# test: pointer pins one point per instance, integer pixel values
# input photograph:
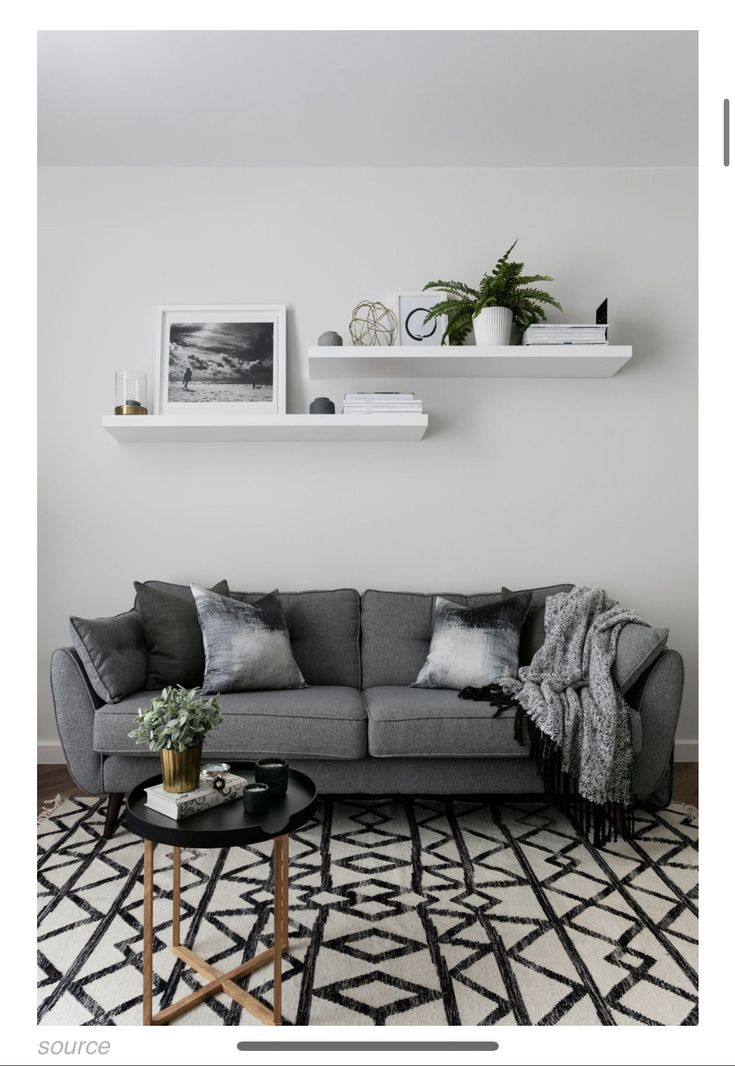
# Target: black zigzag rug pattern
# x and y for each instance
(404, 912)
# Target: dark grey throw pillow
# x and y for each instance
(246, 645)
(172, 634)
(113, 653)
(474, 645)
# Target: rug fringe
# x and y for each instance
(50, 807)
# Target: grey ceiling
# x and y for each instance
(368, 98)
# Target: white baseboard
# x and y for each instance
(49, 751)
(686, 751)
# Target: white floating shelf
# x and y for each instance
(514, 361)
(134, 429)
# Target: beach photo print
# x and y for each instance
(221, 360)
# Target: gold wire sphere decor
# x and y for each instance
(373, 324)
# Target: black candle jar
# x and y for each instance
(274, 773)
(255, 797)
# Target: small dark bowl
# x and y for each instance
(255, 797)
(322, 405)
(274, 773)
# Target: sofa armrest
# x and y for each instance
(638, 648)
(657, 697)
(75, 702)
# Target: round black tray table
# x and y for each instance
(225, 826)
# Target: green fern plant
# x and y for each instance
(505, 286)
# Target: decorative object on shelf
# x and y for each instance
(506, 288)
(493, 325)
(221, 360)
(131, 392)
(175, 724)
(322, 405)
(274, 773)
(330, 339)
(411, 311)
(256, 797)
(177, 805)
(373, 324)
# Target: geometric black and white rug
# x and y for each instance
(402, 912)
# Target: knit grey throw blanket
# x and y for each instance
(578, 720)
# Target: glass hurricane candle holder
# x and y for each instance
(131, 392)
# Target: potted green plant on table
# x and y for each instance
(503, 296)
(175, 724)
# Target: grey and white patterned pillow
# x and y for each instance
(474, 645)
(246, 645)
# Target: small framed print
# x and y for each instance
(216, 360)
(411, 310)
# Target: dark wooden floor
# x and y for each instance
(54, 779)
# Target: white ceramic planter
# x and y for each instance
(493, 325)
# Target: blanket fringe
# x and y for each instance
(597, 822)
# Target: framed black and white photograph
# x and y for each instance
(411, 310)
(221, 360)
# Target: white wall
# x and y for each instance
(518, 482)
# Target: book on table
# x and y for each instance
(178, 805)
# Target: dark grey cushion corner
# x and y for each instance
(113, 653)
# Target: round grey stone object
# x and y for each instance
(330, 339)
(322, 405)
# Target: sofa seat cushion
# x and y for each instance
(435, 724)
(322, 722)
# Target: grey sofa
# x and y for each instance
(359, 727)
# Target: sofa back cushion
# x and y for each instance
(396, 630)
(324, 627)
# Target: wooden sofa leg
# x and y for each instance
(114, 801)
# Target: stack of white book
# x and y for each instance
(180, 805)
(370, 403)
(563, 333)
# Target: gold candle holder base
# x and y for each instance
(131, 409)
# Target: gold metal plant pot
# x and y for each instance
(180, 769)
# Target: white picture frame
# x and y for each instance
(235, 355)
(408, 307)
